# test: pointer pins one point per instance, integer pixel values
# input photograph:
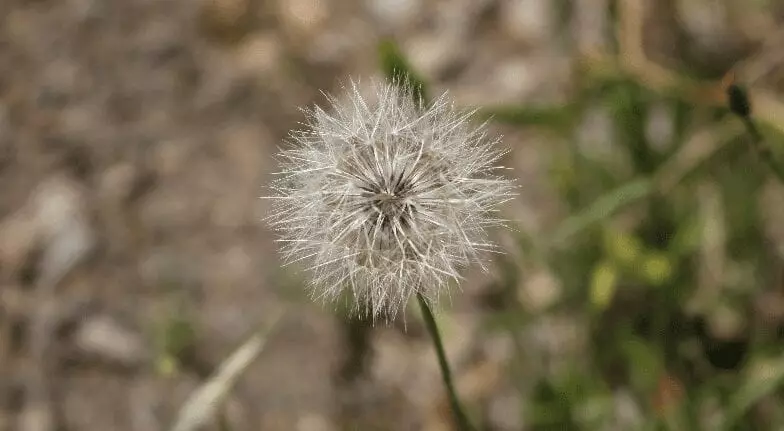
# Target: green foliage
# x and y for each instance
(645, 257)
(396, 67)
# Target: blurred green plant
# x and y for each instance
(633, 256)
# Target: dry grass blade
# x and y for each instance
(203, 403)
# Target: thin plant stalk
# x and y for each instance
(461, 420)
(739, 103)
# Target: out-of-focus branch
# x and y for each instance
(632, 60)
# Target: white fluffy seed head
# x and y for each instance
(384, 197)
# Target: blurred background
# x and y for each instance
(642, 285)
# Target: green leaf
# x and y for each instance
(622, 248)
(656, 268)
(397, 68)
(688, 237)
(558, 118)
(645, 364)
(602, 208)
(604, 281)
(762, 378)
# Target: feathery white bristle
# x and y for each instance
(386, 198)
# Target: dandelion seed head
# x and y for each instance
(384, 197)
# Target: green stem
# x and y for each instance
(461, 420)
(764, 152)
(739, 103)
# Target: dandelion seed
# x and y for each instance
(385, 197)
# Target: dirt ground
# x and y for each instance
(135, 138)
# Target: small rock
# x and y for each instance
(505, 412)
(170, 157)
(19, 235)
(104, 338)
(590, 24)
(529, 21)
(303, 17)
(144, 403)
(314, 422)
(86, 10)
(334, 46)
(226, 20)
(628, 414)
(260, 54)
(559, 338)
(539, 78)
(394, 13)
(595, 134)
(117, 182)
(433, 54)
(706, 20)
(68, 237)
(392, 358)
(539, 291)
(519, 77)
(660, 127)
(54, 220)
(726, 323)
(36, 417)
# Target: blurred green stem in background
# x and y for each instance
(740, 105)
(461, 420)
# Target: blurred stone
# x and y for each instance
(36, 417)
(518, 76)
(595, 134)
(105, 339)
(559, 338)
(438, 52)
(241, 145)
(394, 13)
(117, 182)
(538, 78)
(505, 412)
(539, 290)
(304, 17)
(591, 26)
(96, 400)
(706, 20)
(433, 55)
(170, 156)
(19, 235)
(68, 237)
(660, 127)
(769, 306)
(715, 41)
(335, 46)
(85, 10)
(226, 20)
(260, 54)
(144, 401)
(529, 21)
(725, 322)
(53, 219)
(391, 358)
(59, 77)
(78, 121)
(314, 422)
(497, 348)
(628, 414)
